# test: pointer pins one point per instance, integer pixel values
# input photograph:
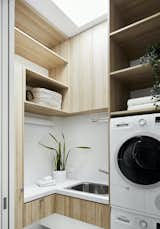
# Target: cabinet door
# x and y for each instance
(19, 122)
(38, 209)
(86, 211)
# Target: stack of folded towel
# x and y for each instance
(142, 103)
(46, 181)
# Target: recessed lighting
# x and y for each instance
(82, 12)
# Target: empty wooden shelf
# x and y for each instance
(36, 52)
(136, 37)
(125, 12)
(30, 21)
(136, 77)
(134, 112)
(42, 110)
(37, 80)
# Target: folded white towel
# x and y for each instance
(143, 106)
(40, 184)
(46, 181)
(141, 100)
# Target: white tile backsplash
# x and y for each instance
(79, 130)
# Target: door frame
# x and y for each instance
(6, 114)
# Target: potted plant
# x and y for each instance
(61, 155)
(153, 57)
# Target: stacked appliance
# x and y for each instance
(135, 172)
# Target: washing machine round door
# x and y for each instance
(139, 160)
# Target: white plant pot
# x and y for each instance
(59, 176)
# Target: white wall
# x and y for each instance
(84, 164)
(79, 130)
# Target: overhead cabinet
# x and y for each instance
(88, 69)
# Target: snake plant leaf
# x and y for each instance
(47, 147)
(83, 147)
(64, 151)
(53, 137)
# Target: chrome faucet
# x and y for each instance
(103, 171)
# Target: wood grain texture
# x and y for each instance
(87, 71)
(34, 79)
(36, 108)
(138, 27)
(119, 95)
(19, 86)
(136, 77)
(135, 37)
(87, 211)
(31, 22)
(136, 10)
(134, 112)
(38, 209)
(36, 52)
(118, 57)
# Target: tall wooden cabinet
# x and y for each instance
(134, 25)
(76, 68)
(19, 123)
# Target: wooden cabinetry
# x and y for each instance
(87, 69)
(19, 123)
(87, 211)
(38, 209)
(134, 25)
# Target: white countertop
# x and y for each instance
(34, 192)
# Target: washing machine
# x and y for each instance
(135, 163)
(121, 219)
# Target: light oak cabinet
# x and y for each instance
(38, 209)
(19, 124)
(87, 72)
(87, 211)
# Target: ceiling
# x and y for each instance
(71, 16)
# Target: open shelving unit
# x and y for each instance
(34, 79)
(134, 26)
(134, 77)
(39, 28)
(36, 52)
(42, 110)
(135, 37)
(126, 12)
(35, 40)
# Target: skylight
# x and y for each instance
(82, 12)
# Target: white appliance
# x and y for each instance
(135, 163)
(121, 219)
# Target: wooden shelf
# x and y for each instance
(36, 80)
(30, 21)
(133, 112)
(42, 110)
(136, 77)
(36, 52)
(131, 11)
(134, 38)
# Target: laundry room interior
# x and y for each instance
(86, 114)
